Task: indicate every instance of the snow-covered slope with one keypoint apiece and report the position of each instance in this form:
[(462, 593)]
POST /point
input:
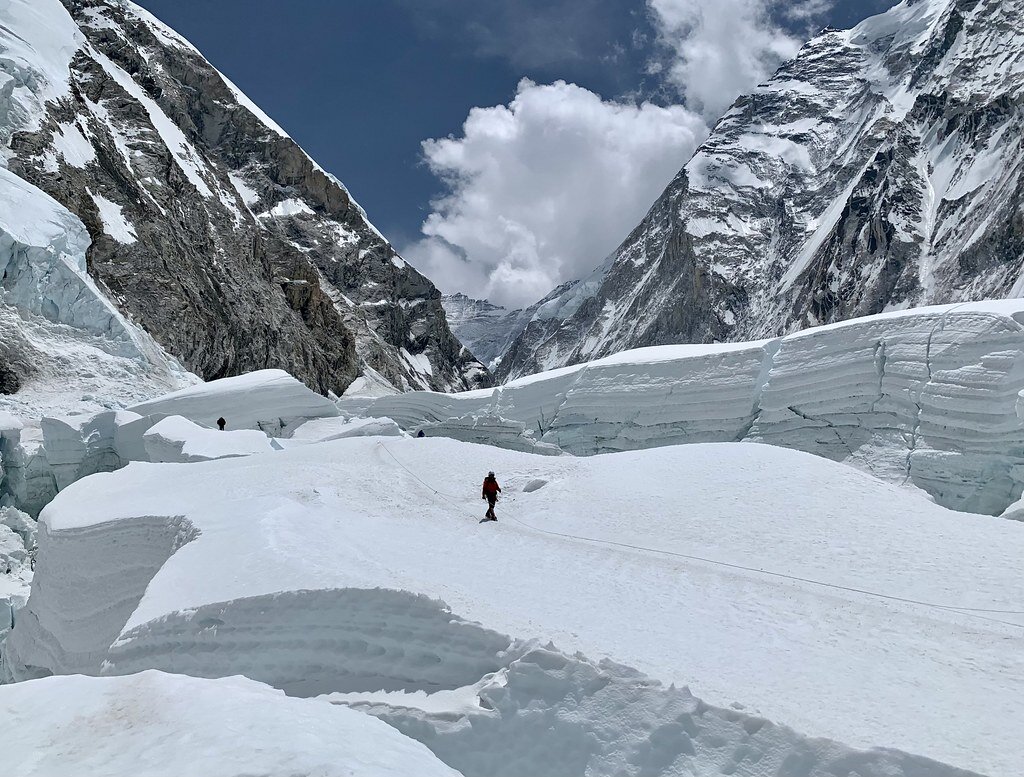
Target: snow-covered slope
[(206, 224), (157, 725), (928, 397), (880, 169), (485, 329), (322, 570)]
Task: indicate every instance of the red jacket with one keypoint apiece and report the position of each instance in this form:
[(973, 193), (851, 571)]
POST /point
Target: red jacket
[(491, 487)]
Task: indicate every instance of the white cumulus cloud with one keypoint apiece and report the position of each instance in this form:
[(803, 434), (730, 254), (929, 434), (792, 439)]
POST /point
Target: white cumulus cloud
[(721, 49), (540, 190)]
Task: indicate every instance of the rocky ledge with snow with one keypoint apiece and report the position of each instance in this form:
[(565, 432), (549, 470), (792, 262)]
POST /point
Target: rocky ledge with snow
[(880, 169)]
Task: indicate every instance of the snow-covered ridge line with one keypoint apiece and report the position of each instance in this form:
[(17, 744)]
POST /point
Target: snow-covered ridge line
[(927, 396)]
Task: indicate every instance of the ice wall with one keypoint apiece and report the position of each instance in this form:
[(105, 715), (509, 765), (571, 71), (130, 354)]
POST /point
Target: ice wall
[(927, 396), (271, 401)]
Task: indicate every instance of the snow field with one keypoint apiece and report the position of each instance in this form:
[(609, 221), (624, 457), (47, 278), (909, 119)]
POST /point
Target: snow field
[(323, 569), (158, 725), (926, 397)]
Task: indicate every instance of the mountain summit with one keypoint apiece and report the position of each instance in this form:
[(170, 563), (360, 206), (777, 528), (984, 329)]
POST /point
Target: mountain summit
[(880, 169)]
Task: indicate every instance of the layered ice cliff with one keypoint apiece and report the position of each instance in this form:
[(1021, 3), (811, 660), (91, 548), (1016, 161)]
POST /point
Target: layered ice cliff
[(927, 397)]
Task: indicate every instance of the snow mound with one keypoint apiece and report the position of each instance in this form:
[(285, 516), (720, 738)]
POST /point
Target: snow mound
[(178, 440), (927, 397), (326, 429), (548, 714), (160, 724), (271, 401), (741, 571)]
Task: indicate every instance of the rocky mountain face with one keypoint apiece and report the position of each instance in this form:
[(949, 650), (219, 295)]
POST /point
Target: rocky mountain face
[(208, 226), (880, 169)]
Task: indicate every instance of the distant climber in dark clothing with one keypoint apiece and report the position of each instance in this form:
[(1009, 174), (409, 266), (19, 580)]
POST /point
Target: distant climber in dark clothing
[(221, 423), (420, 433), (490, 492)]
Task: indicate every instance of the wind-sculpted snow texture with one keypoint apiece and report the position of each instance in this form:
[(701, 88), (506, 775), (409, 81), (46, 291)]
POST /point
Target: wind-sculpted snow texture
[(325, 569), (927, 397), (548, 714), (206, 223), (880, 169), (162, 725)]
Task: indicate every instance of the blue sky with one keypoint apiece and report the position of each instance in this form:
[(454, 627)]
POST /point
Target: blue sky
[(360, 85)]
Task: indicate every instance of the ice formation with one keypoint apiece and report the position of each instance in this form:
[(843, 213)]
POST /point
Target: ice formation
[(325, 569), (271, 401), (63, 339), (927, 396), (36, 462), (165, 725), (17, 544), (176, 439)]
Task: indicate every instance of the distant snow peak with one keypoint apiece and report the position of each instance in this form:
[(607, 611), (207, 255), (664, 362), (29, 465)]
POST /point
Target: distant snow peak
[(871, 173)]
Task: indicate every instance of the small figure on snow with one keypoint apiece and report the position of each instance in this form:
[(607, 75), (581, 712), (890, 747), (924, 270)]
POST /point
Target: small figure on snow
[(420, 433), (221, 423), (490, 492)]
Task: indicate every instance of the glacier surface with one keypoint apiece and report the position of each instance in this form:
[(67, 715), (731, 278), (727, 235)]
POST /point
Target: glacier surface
[(926, 397), (809, 592)]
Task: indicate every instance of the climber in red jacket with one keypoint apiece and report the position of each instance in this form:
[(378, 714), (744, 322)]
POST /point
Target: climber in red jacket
[(490, 492)]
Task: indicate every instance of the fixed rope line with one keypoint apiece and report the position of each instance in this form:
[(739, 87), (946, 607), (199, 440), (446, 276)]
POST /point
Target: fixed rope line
[(975, 611)]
